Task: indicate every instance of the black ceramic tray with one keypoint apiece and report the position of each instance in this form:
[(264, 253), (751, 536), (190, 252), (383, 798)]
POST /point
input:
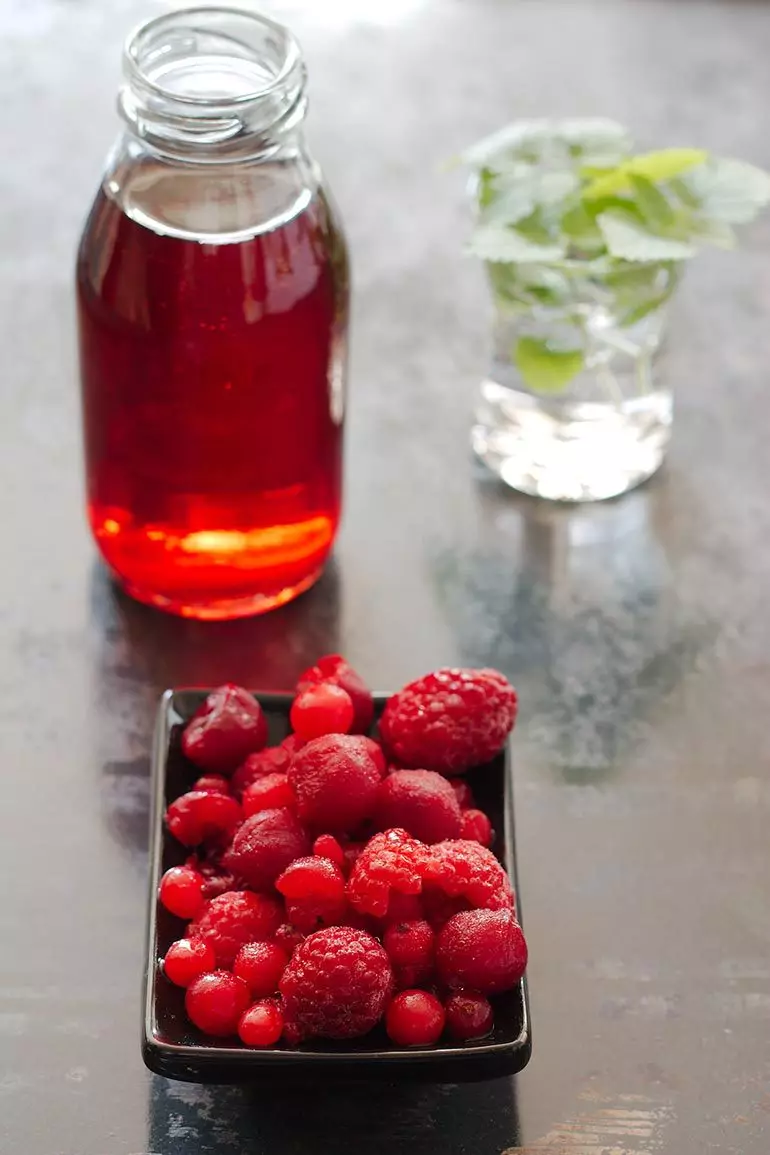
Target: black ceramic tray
[(173, 1047)]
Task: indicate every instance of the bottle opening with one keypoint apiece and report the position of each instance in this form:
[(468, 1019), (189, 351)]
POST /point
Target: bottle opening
[(211, 77)]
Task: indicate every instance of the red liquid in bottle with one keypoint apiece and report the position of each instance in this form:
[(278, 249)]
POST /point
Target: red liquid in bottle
[(213, 378)]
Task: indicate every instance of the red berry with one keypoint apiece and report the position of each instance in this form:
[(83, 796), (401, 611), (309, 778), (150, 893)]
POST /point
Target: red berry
[(374, 749), (265, 845), (215, 1003), (410, 948), (192, 818), (476, 827), (469, 1015), (481, 949), (336, 670), (269, 793), (389, 862), (404, 908), (337, 984), (231, 920), (187, 959), (327, 846), (420, 802), (288, 938), (414, 1019), (336, 782), (212, 784), (216, 880), (227, 728), (262, 1024), (466, 870), (273, 760), (181, 891), (322, 709), (292, 744), (260, 965), (463, 793), (314, 889), (449, 720)]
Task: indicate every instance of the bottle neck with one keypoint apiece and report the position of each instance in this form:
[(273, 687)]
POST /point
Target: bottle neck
[(212, 86)]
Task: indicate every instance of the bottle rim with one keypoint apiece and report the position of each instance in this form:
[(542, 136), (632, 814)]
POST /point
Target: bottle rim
[(236, 47)]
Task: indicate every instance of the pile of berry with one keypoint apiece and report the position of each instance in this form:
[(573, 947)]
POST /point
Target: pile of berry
[(337, 881)]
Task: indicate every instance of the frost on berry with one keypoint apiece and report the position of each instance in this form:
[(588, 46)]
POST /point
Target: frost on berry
[(449, 720), (468, 870), (392, 861)]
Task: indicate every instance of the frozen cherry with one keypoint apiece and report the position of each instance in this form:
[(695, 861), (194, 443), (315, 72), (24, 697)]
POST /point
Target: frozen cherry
[(265, 845), (216, 1001), (268, 793), (260, 965), (228, 727), (335, 779), (469, 1015), (322, 709), (212, 784), (414, 1019), (181, 891), (262, 1024), (273, 760), (188, 959), (410, 947), (314, 889), (194, 817), (335, 670)]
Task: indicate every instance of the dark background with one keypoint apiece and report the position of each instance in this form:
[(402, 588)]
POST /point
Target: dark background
[(637, 632)]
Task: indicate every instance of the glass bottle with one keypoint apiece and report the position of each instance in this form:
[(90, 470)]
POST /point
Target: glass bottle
[(212, 287)]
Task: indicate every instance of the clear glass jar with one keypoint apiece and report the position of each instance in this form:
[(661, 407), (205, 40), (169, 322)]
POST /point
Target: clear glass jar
[(212, 285), (572, 408)]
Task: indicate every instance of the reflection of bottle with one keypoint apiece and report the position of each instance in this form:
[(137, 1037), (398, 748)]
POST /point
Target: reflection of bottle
[(212, 293)]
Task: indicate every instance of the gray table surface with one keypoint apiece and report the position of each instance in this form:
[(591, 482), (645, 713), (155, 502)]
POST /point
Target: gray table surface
[(637, 632)]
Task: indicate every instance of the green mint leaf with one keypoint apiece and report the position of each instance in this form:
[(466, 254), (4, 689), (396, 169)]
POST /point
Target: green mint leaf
[(545, 369), (627, 240), (498, 242), (730, 190), (681, 189), (653, 205), (653, 166)]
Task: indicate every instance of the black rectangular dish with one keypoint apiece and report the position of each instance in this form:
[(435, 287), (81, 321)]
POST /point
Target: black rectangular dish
[(171, 1046)]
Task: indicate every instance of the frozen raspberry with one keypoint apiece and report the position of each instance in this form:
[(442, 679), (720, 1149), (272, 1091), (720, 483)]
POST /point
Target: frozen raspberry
[(404, 908), (337, 984), (212, 784), (265, 845), (227, 728), (288, 938), (260, 965), (467, 870), (469, 1015), (420, 802), (273, 760), (410, 948), (321, 709), (335, 782), (333, 668), (449, 720), (181, 891), (476, 827), (194, 817), (314, 889), (262, 1024), (188, 959), (292, 744), (327, 846), (481, 949), (463, 793), (215, 1003), (389, 862), (268, 793), (233, 919), (414, 1019)]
